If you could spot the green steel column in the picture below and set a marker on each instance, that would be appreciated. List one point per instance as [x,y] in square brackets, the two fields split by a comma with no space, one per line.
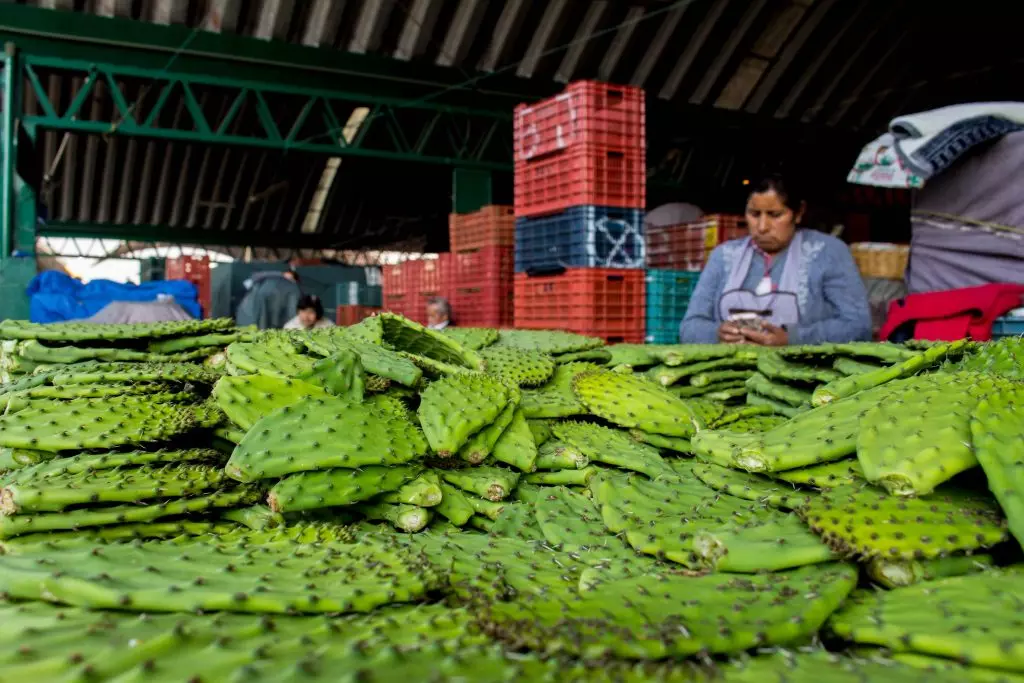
[471,189]
[8,135]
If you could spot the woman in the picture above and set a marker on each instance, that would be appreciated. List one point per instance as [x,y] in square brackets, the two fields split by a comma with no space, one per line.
[781,285]
[309,315]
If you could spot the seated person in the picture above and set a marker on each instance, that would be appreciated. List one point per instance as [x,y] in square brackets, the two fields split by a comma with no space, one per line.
[310,315]
[781,285]
[439,314]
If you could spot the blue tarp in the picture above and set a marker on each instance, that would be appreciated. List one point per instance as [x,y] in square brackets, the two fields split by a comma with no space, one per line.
[54,296]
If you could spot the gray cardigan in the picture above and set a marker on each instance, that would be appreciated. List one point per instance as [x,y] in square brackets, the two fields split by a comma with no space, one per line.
[831,295]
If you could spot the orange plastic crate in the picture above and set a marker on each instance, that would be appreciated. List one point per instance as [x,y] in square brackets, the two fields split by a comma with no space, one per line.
[586,112]
[351,314]
[583,174]
[483,305]
[194,269]
[687,246]
[401,278]
[486,265]
[491,226]
[601,302]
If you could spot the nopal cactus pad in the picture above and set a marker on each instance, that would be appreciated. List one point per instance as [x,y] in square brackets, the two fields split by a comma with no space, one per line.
[868,522]
[455,407]
[611,447]
[973,619]
[632,401]
[332,488]
[518,366]
[996,432]
[318,434]
[246,399]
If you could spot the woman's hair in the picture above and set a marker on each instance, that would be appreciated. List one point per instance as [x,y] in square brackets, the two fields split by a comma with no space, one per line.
[311,302]
[788,191]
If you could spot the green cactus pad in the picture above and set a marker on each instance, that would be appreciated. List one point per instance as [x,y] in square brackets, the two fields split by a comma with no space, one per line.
[972,619]
[821,666]
[668,375]
[688,354]
[666,443]
[826,475]
[674,616]
[682,520]
[454,408]
[273,355]
[750,486]
[557,398]
[473,338]
[867,522]
[780,391]
[775,367]
[574,477]
[899,573]
[883,352]
[756,424]
[732,414]
[556,455]
[84,463]
[103,332]
[776,406]
[541,430]
[611,447]
[516,446]
[403,334]
[492,483]
[1003,357]
[633,355]
[996,432]
[635,402]
[247,399]
[850,367]
[482,507]
[551,342]
[335,487]
[96,423]
[518,366]
[454,504]
[912,458]
[481,444]
[131,373]
[424,491]
[317,434]
[597,356]
[340,374]
[848,386]
[407,518]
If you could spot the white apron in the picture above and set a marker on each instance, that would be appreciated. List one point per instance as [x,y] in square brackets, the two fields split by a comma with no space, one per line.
[779,307]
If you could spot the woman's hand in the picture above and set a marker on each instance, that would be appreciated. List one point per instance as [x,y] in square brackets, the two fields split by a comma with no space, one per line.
[768,335]
[730,334]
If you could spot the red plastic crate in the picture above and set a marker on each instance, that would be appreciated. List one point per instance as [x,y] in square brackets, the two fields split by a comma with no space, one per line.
[436,277]
[487,265]
[583,174]
[586,112]
[602,302]
[401,278]
[491,226]
[194,269]
[483,305]
[411,306]
[350,314]
[687,246]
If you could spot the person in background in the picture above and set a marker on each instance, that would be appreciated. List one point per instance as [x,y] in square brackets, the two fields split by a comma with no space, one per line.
[270,301]
[781,285]
[439,314]
[309,315]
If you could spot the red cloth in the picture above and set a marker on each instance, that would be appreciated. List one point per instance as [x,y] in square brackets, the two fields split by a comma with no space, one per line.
[953,314]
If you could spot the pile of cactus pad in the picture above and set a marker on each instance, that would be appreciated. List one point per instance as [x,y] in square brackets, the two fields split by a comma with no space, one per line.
[191,501]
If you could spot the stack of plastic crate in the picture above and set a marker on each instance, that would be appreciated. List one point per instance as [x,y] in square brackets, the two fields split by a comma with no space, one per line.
[675,256]
[481,247]
[580,192]
[194,269]
[409,286]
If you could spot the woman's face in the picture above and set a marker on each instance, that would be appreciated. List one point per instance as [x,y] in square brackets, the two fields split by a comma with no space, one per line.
[771,223]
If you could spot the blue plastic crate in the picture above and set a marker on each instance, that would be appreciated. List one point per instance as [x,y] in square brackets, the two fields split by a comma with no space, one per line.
[668,295]
[1007,327]
[581,237]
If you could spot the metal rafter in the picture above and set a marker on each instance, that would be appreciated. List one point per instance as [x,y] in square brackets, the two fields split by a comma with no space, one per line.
[550,23]
[666,27]
[322,26]
[606,71]
[844,106]
[726,52]
[419,23]
[579,43]
[693,46]
[370,26]
[427,132]
[505,31]
[467,18]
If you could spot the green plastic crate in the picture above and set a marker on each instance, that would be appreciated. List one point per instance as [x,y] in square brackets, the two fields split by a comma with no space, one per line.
[668,295]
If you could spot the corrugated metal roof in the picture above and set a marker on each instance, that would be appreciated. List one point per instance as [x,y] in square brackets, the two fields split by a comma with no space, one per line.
[803,67]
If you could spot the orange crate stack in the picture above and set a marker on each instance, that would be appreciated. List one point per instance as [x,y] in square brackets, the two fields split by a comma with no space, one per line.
[599,302]
[687,246]
[194,269]
[491,226]
[410,285]
[350,314]
[584,146]
[483,287]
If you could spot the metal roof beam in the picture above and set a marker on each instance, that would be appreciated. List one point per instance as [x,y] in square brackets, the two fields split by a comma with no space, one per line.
[854,95]
[579,43]
[725,54]
[789,52]
[114,8]
[419,25]
[221,15]
[169,11]
[57,4]
[505,31]
[811,70]
[693,46]
[550,23]
[665,29]
[175,235]
[464,23]
[619,43]
[373,18]
[274,17]
[322,24]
